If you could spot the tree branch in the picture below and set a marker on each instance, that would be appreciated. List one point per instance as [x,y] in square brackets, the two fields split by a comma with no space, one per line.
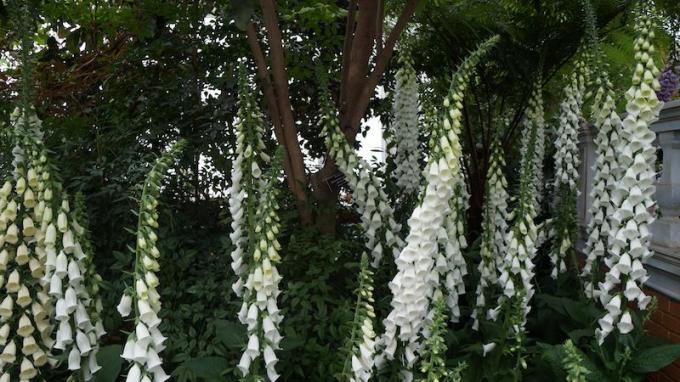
[381,65]
[289,130]
[346,53]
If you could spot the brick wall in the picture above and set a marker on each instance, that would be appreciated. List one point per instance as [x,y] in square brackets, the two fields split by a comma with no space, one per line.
[666,323]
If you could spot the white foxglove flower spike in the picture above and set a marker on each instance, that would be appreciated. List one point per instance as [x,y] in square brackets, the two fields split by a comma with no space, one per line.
[140,342]
[628,241]
[415,283]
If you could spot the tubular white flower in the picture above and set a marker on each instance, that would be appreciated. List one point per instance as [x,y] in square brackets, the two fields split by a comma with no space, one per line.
[494,231]
[139,344]
[566,170]
[360,347]
[377,220]
[24,308]
[633,195]
[259,311]
[516,269]
[405,126]
[535,119]
[245,182]
[450,263]
[414,285]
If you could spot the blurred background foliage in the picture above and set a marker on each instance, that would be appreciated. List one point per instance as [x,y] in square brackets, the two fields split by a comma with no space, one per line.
[116,81]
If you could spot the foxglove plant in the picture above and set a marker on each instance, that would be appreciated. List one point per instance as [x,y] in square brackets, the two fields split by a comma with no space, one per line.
[405,126]
[535,120]
[246,178]
[566,170]
[377,217]
[632,197]
[26,202]
[606,167]
[495,218]
[260,312]
[433,354]
[414,285]
[517,267]
[360,346]
[450,263]
[145,343]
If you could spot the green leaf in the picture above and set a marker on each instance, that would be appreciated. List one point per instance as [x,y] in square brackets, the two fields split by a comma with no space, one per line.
[231,334]
[656,358]
[109,358]
[208,369]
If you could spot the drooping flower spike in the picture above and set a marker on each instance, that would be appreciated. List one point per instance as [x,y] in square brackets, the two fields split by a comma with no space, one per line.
[246,177]
[377,216]
[415,283]
[450,263]
[535,119]
[632,197]
[495,218]
[259,311]
[517,268]
[566,170]
[145,343]
[405,126]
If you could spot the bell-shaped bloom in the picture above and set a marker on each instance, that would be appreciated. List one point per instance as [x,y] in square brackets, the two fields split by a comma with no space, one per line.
[9,352]
[25,327]
[125,305]
[74,359]
[625,325]
[134,374]
[27,370]
[24,297]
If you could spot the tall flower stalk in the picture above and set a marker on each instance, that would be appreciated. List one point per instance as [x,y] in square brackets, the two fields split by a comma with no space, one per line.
[414,285]
[377,216]
[632,197]
[566,170]
[360,347]
[495,218]
[246,178]
[145,343]
[450,263]
[535,120]
[405,126]
[517,268]
[260,312]
[26,202]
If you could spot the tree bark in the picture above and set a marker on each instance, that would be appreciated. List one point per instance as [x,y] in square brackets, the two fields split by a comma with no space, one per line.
[358,83]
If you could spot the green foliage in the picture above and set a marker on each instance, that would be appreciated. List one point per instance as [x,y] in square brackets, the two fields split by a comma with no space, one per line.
[109,358]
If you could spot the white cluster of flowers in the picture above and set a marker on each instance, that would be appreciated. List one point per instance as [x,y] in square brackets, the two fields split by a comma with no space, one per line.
[566,169]
[259,311]
[450,263]
[57,264]
[361,344]
[25,309]
[255,225]
[377,217]
[246,178]
[494,230]
[66,268]
[609,125]
[632,198]
[517,267]
[416,281]
[405,126]
[145,342]
[535,119]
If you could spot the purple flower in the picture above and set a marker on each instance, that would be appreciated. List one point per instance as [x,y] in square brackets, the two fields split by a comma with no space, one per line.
[669,81]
